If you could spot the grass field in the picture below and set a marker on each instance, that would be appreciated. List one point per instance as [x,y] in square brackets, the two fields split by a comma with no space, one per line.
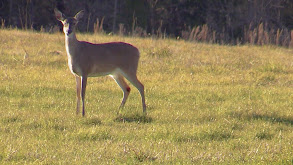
[207,104]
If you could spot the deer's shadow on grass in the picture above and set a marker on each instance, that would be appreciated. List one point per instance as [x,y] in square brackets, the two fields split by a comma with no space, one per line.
[270,118]
[93,121]
[133,118]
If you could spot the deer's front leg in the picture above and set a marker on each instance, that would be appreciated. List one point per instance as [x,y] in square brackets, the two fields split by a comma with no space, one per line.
[83,88]
[78,94]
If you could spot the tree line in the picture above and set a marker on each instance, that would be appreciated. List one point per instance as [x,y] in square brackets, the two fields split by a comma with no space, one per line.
[215,21]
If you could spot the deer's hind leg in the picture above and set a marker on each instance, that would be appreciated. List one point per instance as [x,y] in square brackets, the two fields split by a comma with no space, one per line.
[124,86]
[131,77]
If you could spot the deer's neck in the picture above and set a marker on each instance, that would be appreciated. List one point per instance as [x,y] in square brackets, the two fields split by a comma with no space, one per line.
[72,49]
[71,44]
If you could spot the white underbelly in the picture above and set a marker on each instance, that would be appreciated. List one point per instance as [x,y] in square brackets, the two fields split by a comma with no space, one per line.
[98,74]
[104,72]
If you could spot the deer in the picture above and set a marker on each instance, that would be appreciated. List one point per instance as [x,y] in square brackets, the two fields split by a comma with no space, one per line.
[116,59]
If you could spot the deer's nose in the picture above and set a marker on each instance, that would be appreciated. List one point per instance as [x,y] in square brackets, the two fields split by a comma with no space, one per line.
[69,31]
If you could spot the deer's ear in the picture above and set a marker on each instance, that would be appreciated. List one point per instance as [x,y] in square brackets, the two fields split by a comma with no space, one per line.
[79,15]
[60,16]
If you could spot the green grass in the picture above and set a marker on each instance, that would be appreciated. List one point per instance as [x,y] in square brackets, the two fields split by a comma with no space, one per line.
[207,104]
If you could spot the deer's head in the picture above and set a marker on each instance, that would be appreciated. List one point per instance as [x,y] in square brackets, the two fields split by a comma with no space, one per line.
[69,23]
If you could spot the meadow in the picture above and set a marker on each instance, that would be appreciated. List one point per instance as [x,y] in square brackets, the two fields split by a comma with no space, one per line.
[206,104]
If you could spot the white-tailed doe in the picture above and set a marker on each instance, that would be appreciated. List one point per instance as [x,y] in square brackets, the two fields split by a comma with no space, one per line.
[117,59]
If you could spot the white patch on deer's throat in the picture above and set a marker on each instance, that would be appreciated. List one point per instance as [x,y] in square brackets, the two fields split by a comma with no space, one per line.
[73,66]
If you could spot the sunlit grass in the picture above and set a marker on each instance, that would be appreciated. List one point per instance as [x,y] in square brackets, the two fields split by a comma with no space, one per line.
[206,104]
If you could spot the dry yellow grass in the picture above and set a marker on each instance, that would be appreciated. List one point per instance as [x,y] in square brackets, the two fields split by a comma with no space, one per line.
[206,104]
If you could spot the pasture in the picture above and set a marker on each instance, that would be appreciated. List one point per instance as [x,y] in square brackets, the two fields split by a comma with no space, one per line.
[206,104]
